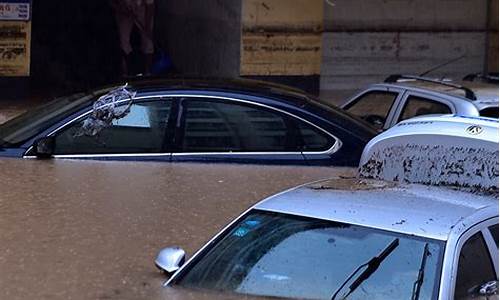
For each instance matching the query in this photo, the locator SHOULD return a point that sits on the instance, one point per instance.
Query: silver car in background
(402, 97)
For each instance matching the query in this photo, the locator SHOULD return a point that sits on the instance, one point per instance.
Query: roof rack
(469, 94)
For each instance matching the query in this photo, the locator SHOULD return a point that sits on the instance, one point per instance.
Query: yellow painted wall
(15, 40)
(281, 37)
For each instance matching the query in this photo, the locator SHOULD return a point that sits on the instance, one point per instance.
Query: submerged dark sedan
(189, 120)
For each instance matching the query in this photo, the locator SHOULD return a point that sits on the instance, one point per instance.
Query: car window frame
(492, 246)
(211, 243)
(491, 235)
(481, 227)
(335, 146)
(394, 105)
(85, 112)
(404, 100)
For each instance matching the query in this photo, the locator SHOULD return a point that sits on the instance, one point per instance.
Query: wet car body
(402, 97)
(341, 136)
(442, 233)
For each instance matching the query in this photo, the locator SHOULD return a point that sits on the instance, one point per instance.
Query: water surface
(91, 230)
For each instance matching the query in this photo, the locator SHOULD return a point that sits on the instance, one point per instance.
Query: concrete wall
(405, 15)
(202, 37)
(364, 41)
(281, 37)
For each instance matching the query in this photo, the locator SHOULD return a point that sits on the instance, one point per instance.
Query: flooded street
(91, 230)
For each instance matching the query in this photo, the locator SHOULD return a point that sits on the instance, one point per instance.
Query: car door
(141, 134)
(375, 105)
(476, 261)
(221, 129)
(417, 104)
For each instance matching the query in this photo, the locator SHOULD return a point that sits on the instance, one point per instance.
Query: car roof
(236, 85)
(486, 94)
(411, 209)
(268, 90)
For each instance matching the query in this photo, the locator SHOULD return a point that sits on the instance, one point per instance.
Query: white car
(354, 239)
(360, 238)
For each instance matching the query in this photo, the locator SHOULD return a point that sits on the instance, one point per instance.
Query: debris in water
(112, 106)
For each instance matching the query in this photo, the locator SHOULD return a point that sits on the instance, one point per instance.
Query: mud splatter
(436, 165)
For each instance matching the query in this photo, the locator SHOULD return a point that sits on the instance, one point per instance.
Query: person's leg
(145, 19)
(124, 23)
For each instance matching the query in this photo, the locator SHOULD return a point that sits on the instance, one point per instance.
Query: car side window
(475, 267)
(494, 232)
(141, 130)
(373, 107)
(215, 126)
(417, 106)
(311, 138)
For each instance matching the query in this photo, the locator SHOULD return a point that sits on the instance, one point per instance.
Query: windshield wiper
(372, 266)
(420, 277)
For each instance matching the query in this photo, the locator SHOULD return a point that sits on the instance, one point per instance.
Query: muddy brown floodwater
(91, 230)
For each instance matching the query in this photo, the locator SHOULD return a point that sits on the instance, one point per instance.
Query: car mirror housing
(44, 147)
(170, 259)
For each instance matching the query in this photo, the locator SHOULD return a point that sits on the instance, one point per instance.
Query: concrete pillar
(201, 37)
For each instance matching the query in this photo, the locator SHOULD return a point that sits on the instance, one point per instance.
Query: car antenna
(442, 65)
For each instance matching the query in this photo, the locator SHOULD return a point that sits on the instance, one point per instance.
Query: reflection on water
(91, 230)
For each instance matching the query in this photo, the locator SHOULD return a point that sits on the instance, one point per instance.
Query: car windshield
(280, 255)
(27, 125)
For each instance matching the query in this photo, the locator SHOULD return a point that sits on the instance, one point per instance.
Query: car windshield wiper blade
(371, 266)
(420, 277)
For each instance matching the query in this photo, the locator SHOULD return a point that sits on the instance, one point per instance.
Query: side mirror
(44, 147)
(170, 259)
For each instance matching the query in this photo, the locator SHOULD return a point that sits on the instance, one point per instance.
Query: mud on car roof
(438, 150)
(405, 208)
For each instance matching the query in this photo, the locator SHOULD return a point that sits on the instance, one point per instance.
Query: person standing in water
(141, 14)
